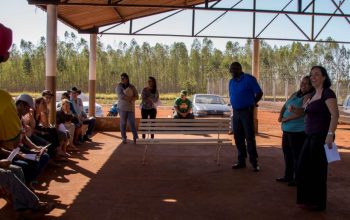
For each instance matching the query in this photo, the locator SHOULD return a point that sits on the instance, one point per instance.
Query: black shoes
(86, 138)
(286, 180)
(256, 168)
(292, 183)
(238, 166)
(282, 180)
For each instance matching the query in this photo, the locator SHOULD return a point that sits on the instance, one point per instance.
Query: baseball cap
(183, 92)
(26, 98)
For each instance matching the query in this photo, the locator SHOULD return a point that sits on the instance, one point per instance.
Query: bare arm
(333, 109)
(283, 109)
(29, 143)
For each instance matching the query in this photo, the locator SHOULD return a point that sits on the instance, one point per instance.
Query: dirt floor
(105, 180)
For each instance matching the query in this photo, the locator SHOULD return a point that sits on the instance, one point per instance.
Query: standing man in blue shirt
(245, 93)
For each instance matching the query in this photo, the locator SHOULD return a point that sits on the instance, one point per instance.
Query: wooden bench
(200, 126)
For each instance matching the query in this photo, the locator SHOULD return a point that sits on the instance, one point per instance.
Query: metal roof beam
(230, 37)
(217, 18)
(173, 7)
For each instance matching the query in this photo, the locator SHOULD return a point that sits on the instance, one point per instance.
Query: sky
(29, 23)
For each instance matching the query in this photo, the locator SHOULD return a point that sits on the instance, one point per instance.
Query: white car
(210, 105)
(85, 99)
(346, 104)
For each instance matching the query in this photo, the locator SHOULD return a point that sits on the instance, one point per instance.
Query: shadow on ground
(183, 182)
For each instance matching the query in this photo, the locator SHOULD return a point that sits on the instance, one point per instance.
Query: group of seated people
(25, 130)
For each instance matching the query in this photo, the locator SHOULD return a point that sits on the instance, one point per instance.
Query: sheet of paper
(13, 153)
(332, 154)
(44, 148)
(30, 156)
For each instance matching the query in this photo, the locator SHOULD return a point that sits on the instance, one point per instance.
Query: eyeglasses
(123, 78)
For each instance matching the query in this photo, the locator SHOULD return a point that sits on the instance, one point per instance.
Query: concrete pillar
(51, 58)
(256, 73)
(92, 74)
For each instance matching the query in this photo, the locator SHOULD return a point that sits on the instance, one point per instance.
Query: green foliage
(175, 67)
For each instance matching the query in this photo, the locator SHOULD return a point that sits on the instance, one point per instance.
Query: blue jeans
(127, 116)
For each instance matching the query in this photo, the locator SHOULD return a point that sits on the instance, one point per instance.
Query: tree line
(174, 66)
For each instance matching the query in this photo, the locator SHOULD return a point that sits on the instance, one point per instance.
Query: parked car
(210, 105)
(85, 99)
(346, 105)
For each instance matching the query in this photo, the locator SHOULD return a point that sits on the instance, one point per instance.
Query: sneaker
(238, 166)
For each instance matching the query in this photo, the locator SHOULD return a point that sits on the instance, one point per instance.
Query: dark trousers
(45, 138)
(312, 172)
(188, 116)
(31, 168)
(244, 135)
(91, 125)
(292, 142)
(148, 113)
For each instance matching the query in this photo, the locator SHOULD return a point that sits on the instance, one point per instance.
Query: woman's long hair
(327, 82)
(125, 75)
(300, 93)
(154, 87)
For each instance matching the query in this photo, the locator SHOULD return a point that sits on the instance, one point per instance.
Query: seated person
(49, 133)
(66, 95)
(183, 107)
(80, 113)
(10, 134)
(47, 95)
(65, 122)
(31, 168)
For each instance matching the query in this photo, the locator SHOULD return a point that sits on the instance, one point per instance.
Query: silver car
(85, 99)
(210, 105)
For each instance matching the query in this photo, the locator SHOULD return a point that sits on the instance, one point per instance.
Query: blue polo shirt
(242, 91)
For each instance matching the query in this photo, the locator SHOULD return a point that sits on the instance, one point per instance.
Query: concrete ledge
(110, 124)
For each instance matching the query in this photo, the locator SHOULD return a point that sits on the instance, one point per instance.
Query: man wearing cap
(32, 169)
(80, 113)
(183, 107)
(245, 93)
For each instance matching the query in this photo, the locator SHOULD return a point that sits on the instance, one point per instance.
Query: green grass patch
(108, 99)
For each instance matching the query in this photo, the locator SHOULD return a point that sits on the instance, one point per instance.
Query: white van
(346, 105)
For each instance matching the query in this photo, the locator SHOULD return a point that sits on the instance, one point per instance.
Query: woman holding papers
(321, 118)
(293, 128)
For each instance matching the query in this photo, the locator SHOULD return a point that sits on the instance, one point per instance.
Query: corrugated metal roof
(85, 15)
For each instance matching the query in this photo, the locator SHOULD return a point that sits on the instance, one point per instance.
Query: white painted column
(256, 73)
(92, 74)
(51, 58)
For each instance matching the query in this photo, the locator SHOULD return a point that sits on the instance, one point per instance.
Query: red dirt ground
(106, 181)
